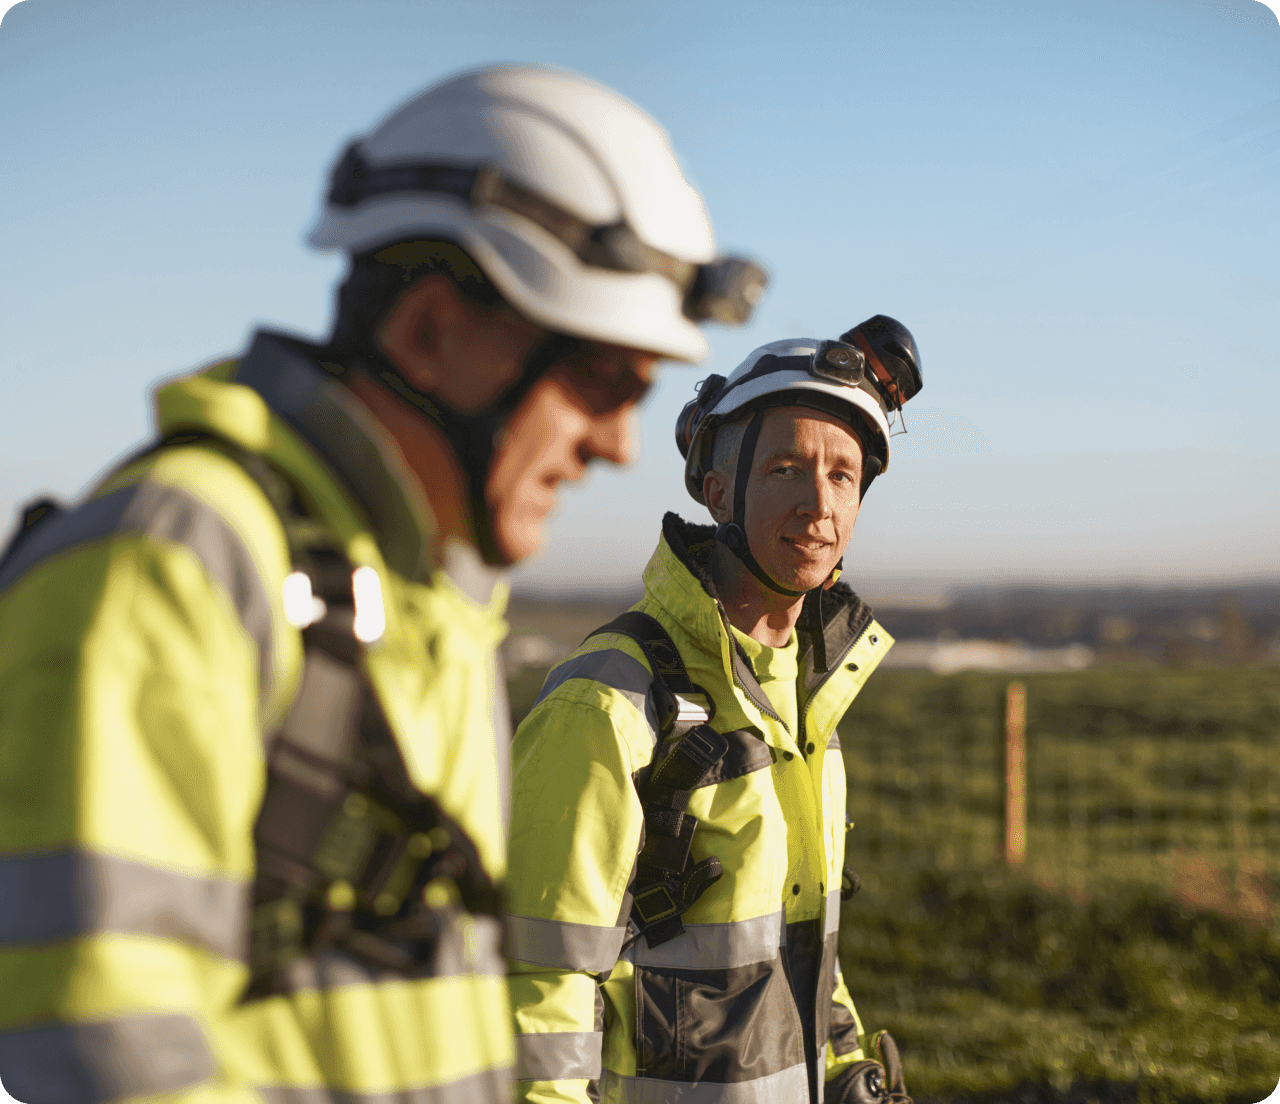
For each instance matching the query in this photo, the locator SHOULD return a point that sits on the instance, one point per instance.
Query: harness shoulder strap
(667, 883)
(672, 688)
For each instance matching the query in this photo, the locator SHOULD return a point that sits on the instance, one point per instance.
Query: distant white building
(945, 657)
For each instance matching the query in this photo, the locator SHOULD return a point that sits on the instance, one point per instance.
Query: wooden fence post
(1015, 773)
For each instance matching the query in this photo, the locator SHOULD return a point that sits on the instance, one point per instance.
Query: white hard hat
(832, 374)
(567, 196)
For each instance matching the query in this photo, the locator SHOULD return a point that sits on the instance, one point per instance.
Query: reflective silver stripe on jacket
(156, 510)
(47, 898)
(91, 1063)
(787, 1085)
(485, 1087)
(558, 1056)
(834, 743)
(717, 946)
(563, 946)
(831, 924)
(465, 945)
(617, 670)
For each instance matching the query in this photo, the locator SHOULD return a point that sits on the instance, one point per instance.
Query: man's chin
(804, 579)
(805, 575)
(516, 541)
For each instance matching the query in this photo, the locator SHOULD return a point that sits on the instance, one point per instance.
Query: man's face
(582, 409)
(802, 495)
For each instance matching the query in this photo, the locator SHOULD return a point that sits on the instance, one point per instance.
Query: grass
(1135, 955)
(998, 988)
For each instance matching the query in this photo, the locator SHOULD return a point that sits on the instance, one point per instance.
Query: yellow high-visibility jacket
(144, 653)
(748, 1002)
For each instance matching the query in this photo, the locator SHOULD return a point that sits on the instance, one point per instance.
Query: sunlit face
(581, 410)
(802, 495)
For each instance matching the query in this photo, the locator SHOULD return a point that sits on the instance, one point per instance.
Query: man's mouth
(809, 545)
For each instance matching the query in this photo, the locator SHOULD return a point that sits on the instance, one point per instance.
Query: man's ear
(718, 493)
(415, 332)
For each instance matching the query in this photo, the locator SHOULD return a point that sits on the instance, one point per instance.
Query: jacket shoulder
(609, 675)
(167, 506)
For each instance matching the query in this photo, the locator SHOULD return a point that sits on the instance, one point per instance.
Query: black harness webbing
(350, 853)
(666, 883)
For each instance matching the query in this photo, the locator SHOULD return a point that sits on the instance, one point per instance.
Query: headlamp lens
(841, 363)
(727, 290)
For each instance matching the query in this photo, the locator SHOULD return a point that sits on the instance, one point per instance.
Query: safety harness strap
(666, 883)
(658, 647)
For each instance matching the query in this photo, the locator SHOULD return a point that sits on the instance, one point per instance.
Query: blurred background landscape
(1133, 954)
(1073, 204)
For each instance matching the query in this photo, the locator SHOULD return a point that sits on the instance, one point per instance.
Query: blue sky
(1072, 204)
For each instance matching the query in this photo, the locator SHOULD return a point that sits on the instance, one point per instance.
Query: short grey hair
(726, 445)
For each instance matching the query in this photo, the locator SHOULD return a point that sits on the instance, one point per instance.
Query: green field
(1135, 954)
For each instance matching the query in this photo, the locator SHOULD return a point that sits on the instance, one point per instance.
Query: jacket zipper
(831, 670)
(764, 707)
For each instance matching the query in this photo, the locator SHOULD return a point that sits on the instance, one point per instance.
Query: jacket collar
(299, 386)
(833, 619)
(679, 578)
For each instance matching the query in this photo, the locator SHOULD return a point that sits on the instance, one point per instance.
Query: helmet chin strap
(733, 534)
(474, 438)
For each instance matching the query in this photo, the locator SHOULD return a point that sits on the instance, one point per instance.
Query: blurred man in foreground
(253, 745)
(678, 820)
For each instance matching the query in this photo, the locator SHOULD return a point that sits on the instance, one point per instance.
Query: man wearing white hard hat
(677, 840)
(255, 780)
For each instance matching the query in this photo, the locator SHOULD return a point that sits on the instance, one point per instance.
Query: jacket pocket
(725, 1026)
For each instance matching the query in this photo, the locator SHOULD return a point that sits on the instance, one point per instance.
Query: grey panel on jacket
(558, 1056)
(558, 944)
(479, 1088)
(106, 1060)
(67, 894)
(628, 676)
(786, 1085)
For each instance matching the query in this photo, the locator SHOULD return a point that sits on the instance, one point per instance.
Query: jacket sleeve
(130, 774)
(576, 827)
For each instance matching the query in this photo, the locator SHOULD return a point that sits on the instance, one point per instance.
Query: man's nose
(815, 502)
(611, 436)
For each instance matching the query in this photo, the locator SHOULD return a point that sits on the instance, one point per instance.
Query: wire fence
(1164, 776)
